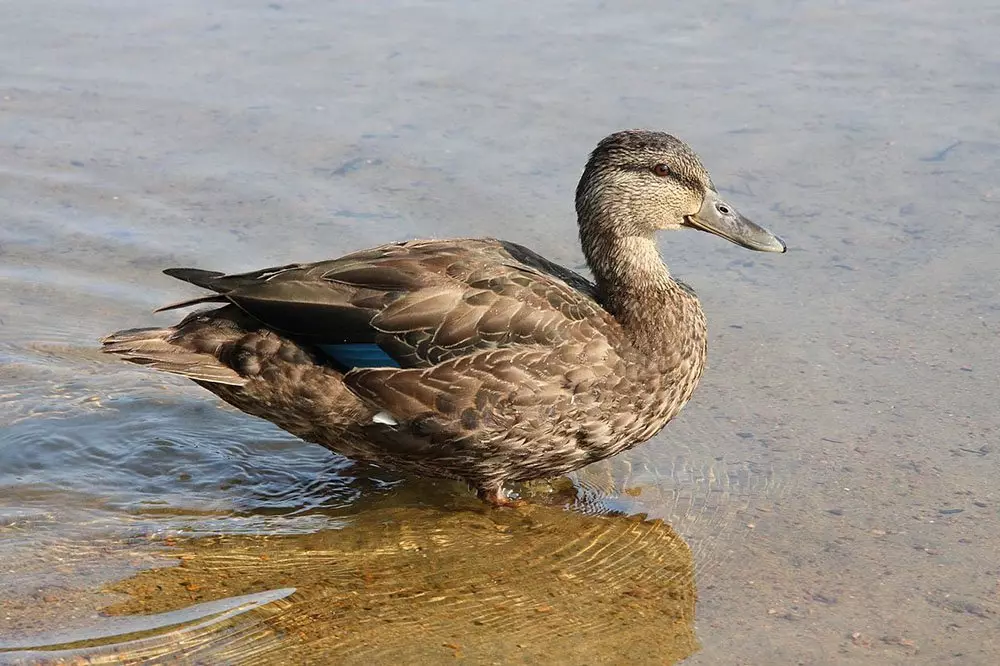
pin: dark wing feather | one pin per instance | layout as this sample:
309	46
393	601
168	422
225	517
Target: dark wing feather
188	302
223	283
196	276
530	258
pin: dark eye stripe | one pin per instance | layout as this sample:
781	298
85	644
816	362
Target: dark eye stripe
685	180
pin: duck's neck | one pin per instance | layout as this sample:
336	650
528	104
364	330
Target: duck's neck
635	286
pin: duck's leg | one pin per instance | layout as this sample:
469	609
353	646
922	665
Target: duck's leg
495	495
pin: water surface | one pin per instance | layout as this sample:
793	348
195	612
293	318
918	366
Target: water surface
833	480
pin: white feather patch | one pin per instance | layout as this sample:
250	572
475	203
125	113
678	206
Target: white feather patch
385	418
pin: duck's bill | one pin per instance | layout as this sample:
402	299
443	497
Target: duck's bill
719	218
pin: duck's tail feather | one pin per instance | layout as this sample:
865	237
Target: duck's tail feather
188	302
153	347
199	278
196	276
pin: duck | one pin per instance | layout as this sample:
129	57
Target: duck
474	359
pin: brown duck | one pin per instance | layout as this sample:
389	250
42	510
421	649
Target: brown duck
475	359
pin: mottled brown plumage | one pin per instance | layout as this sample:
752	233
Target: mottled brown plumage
510	367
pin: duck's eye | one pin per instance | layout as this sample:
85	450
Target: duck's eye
661	170
723	208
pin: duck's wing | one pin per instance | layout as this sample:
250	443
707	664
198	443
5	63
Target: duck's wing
416	304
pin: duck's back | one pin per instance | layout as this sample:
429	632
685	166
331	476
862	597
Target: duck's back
419	302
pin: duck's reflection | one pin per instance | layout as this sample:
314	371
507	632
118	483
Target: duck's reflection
417	584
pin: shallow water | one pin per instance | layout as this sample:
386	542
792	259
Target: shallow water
833	479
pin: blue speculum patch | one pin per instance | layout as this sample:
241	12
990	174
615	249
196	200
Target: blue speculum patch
359	355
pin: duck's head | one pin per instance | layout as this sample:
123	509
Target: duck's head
638	182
